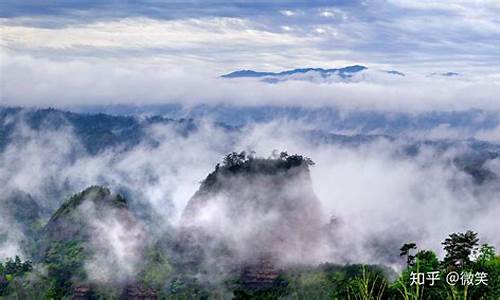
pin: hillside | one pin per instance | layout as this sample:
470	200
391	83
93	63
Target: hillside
74	246
70	221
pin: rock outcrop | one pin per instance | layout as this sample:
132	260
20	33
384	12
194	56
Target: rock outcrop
260	274
138	292
249	207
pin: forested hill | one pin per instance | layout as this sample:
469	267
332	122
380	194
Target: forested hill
329	118
96	132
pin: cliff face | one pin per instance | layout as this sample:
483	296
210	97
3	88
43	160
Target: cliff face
250	208
260	273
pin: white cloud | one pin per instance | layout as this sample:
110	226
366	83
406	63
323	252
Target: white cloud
319	30
43	82
289	13
332	13
401	33
326	14
118	242
138	33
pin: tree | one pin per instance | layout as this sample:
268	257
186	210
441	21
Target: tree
486	253
16	267
11	269
459	248
405	251
234	159
426	261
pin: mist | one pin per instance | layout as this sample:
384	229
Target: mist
42	82
373	195
118	242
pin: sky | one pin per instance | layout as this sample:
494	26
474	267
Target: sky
64	52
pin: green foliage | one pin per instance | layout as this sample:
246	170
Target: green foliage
425	261
459	248
157	269
63	257
311	284
486	254
93	192
185	287
368	286
405	250
242	161
248	164
331	281
64	262
15	267
10	271
492	268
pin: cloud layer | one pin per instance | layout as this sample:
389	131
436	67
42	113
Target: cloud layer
42	82
397	32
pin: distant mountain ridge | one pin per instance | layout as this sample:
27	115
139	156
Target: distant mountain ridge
345	72
101	132
96	132
354	73
328	118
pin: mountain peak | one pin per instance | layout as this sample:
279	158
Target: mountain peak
99	195
71	219
268	203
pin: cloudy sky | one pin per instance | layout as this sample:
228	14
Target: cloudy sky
87	51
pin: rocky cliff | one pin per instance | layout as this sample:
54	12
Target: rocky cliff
250	210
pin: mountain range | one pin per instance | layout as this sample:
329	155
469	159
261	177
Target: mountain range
101	132
344	73
354	73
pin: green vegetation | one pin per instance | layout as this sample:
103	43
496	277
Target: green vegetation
64	264
12	272
246	163
465	258
57	270
331	281
157	269
64	271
